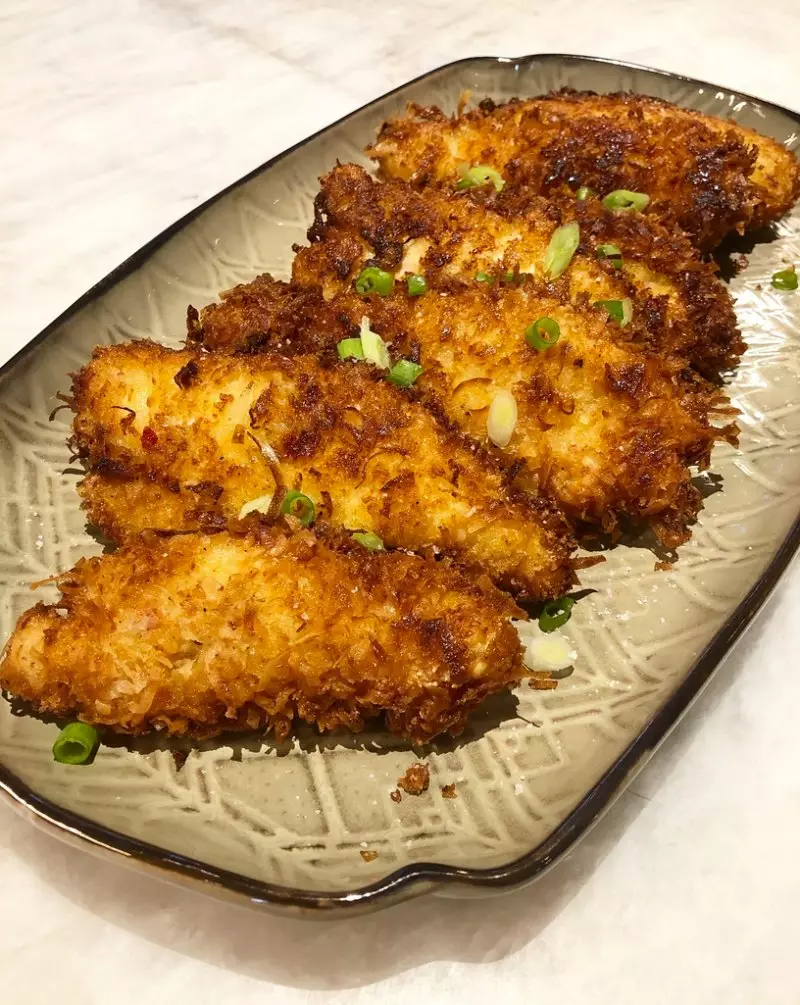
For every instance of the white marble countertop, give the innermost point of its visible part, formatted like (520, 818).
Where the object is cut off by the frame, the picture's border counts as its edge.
(117, 119)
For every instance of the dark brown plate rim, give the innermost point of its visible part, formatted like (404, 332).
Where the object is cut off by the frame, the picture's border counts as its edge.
(422, 876)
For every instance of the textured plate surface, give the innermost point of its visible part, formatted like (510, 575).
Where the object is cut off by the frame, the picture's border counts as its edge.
(286, 825)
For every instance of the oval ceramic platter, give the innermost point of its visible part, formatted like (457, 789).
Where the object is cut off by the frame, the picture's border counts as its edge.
(286, 825)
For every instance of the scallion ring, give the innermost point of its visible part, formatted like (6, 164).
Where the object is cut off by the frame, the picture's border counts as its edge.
(350, 348)
(480, 174)
(484, 277)
(556, 613)
(543, 333)
(299, 505)
(563, 245)
(611, 252)
(786, 279)
(369, 540)
(619, 310)
(374, 347)
(404, 373)
(502, 418)
(417, 286)
(75, 744)
(374, 280)
(583, 193)
(623, 198)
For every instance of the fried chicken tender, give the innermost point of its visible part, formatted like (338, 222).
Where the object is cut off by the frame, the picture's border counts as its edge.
(184, 440)
(679, 306)
(713, 177)
(198, 634)
(608, 428)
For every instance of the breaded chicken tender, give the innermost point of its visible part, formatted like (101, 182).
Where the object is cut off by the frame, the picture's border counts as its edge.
(180, 441)
(713, 177)
(679, 306)
(608, 428)
(198, 634)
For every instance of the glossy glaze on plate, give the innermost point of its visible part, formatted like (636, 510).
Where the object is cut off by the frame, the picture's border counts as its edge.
(287, 825)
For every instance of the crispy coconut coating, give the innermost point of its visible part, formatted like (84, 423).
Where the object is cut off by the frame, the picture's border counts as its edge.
(679, 305)
(198, 634)
(607, 427)
(712, 176)
(178, 441)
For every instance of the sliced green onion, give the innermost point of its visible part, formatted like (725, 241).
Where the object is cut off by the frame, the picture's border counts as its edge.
(623, 198)
(509, 277)
(619, 310)
(563, 245)
(298, 504)
(543, 333)
(417, 285)
(484, 277)
(480, 174)
(610, 251)
(374, 280)
(786, 279)
(404, 373)
(350, 348)
(374, 347)
(583, 193)
(75, 743)
(502, 418)
(370, 541)
(556, 613)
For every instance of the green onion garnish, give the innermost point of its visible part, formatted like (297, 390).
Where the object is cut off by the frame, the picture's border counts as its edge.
(619, 310)
(484, 277)
(623, 198)
(75, 743)
(480, 174)
(299, 505)
(563, 245)
(350, 348)
(583, 193)
(786, 279)
(556, 613)
(374, 280)
(509, 277)
(404, 373)
(543, 333)
(417, 285)
(610, 251)
(370, 541)
(374, 347)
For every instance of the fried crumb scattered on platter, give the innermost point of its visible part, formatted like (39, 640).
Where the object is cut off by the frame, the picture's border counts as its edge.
(540, 680)
(449, 791)
(369, 855)
(416, 779)
(396, 795)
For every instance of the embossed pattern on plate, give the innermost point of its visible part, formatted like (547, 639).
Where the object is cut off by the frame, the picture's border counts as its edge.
(287, 825)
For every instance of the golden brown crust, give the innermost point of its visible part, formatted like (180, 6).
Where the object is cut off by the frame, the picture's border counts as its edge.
(713, 177)
(680, 307)
(171, 455)
(198, 634)
(608, 427)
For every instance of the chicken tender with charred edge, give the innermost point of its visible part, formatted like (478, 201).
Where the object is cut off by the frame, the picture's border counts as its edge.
(679, 307)
(712, 176)
(204, 633)
(183, 440)
(608, 428)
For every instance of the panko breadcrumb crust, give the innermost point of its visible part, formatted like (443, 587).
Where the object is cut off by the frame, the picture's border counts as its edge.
(182, 440)
(711, 176)
(203, 633)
